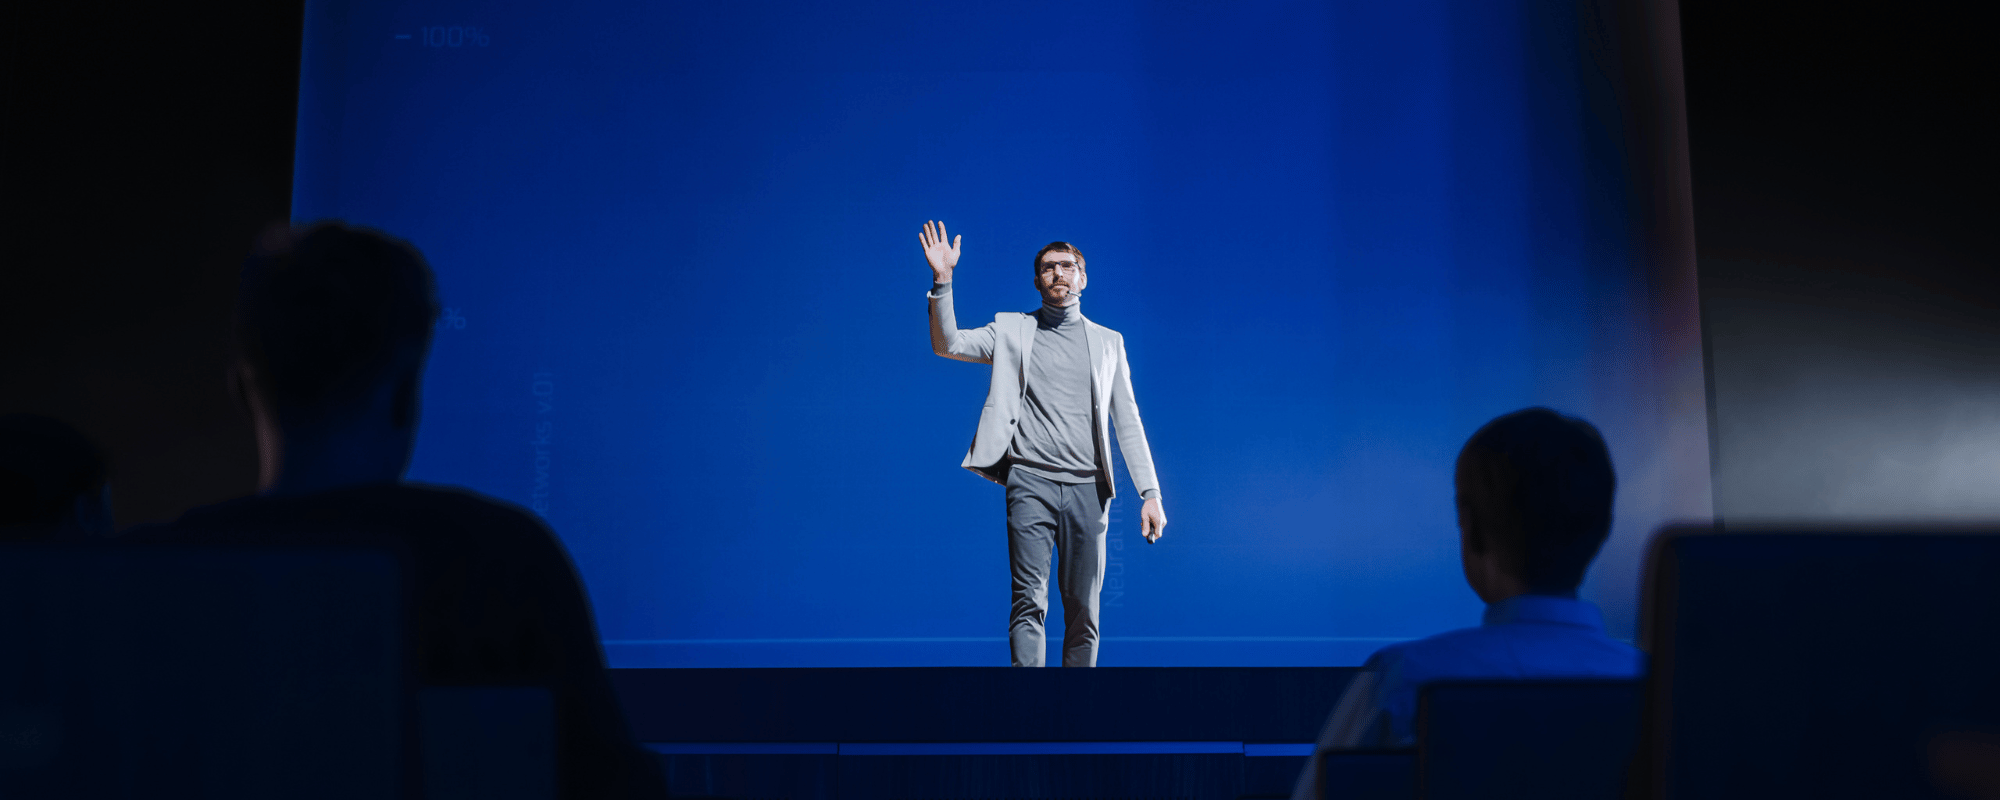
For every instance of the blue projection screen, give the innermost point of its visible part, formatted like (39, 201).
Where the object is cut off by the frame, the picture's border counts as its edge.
(685, 323)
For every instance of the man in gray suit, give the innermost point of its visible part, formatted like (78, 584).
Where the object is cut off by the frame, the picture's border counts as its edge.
(1044, 435)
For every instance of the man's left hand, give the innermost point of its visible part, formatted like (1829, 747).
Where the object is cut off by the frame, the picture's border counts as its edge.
(1152, 520)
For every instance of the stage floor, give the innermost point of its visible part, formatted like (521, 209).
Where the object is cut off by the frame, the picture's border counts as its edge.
(981, 732)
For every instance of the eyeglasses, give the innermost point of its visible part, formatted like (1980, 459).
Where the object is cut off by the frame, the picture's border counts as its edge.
(1064, 267)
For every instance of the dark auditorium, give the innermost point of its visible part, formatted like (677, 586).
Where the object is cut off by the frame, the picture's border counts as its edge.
(1510, 399)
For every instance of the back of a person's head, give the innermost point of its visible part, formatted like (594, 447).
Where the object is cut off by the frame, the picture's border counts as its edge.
(52, 480)
(330, 313)
(1538, 486)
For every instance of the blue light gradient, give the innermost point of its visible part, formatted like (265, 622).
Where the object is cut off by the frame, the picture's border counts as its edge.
(679, 245)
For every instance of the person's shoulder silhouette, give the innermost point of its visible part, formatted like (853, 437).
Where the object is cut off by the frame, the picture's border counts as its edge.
(497, 600)
(52, 481)
(333, 324)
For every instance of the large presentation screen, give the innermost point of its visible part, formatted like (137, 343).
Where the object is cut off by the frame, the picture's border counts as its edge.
(685, 315)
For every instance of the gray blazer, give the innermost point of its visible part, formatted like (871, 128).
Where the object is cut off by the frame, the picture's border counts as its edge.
(1005, 343)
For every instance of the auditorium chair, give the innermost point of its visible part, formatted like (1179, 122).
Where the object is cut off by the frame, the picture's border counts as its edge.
(487, 742)
(171, 672)
(1389, 774)
(1542, 739)
(1817, 663)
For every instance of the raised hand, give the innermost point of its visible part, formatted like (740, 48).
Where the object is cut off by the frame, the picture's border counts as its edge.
(940, 250)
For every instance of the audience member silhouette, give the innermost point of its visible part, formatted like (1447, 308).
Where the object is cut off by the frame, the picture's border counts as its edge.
(332, 327)
(52, 482)
(1534, 492)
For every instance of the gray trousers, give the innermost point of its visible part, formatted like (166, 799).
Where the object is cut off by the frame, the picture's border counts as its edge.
(1066, 520)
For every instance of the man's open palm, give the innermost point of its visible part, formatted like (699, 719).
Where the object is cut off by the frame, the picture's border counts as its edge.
(940, 250)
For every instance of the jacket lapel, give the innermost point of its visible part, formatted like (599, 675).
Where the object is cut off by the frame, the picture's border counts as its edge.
(1026, 334)
(1100, 435)
(1096, 357)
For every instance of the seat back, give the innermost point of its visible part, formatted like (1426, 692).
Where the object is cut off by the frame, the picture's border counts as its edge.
(1368, 774)
(167, 672)
(1544, 739)
(1816, 664)
(487, 742)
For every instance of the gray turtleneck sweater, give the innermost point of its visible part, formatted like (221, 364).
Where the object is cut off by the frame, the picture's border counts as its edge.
(1054, 439)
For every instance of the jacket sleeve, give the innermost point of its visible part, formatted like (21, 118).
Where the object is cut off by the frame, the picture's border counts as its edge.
(975, 345)
(1131, 432)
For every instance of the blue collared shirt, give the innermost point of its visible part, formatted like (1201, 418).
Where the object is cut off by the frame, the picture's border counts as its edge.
(1527, 636)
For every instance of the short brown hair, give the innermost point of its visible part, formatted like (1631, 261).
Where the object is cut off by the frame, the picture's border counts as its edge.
(1057, 247)
(1539, 485)
(333, 311)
